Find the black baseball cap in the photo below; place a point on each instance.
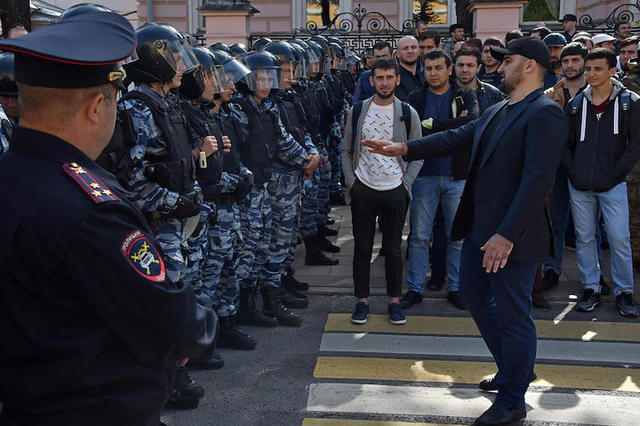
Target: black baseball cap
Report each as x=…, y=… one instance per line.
x=569, y=17
x=529, y=47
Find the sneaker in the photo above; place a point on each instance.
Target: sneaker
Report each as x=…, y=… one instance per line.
x=410, y=299
x=396, y=316
x=453, y=297
x=590, y=301
x=549, y=280
x=361, y=313
x=605, y=290
x=624, y=303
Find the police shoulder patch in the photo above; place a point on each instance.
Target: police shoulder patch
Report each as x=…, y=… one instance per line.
x=143, y=256
x=90, y=183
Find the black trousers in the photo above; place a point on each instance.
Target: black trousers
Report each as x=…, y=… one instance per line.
x=366, y=203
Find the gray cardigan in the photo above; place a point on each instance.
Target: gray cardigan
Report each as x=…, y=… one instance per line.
x=351, y=149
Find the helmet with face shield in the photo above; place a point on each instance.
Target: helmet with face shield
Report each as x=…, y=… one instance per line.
x=220, y=46
x=323, y=64
x=261, y=43
x=302, y=72
x=339, y=57
x=233, y=69
x=206, y=80
x=162, y=52
x=266, y=73
x=238, y=51
x=288, y=59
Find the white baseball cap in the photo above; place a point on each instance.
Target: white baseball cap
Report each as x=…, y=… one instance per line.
x=601, y=38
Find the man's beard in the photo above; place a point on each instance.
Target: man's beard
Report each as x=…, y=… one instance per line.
x=382, y=96
x=578, y=75
x=509, y=84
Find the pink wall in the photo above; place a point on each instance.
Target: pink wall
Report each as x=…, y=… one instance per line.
x=495, y=19
x=274, y=16
x=173, y=12
x=598, y=9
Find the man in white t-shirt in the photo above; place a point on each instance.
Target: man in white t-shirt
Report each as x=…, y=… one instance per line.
x=379, y=184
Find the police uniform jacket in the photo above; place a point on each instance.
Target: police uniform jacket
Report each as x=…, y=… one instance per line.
x=90, y=324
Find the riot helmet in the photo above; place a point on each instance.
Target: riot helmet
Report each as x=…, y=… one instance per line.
x=233, y=69
x=162, y=53
x=205, y=80
x=8, y=86
x=339, y=57
x=238, y=50
x=266, y=73
x=289, y=62
x=220, y=46
x=261, y=43
x=303, y=59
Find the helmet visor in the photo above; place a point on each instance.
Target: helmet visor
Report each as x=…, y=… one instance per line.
x=313, y=58
x=265, y=79
x=178, y=54
x=235, y=70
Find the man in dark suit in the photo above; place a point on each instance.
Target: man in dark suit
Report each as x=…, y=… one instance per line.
x=516, y=146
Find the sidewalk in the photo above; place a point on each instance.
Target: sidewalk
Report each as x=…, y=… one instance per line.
x=337, y=280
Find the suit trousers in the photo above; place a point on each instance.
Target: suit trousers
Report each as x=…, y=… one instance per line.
x=366, y=203
x=500, y=304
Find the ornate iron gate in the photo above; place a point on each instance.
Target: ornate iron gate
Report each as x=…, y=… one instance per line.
x=622, y=13
x=359, y=30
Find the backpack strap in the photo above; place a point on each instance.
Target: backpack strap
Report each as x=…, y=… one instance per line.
x=406, y=117
x=625, y=115
x=355, y=114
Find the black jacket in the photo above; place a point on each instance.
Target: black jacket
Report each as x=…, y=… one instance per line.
x=507, y=194
x=603, y=159
x=465, y=100
x=409, y=82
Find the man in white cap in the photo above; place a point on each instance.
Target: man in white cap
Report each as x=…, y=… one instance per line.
x=603, y=40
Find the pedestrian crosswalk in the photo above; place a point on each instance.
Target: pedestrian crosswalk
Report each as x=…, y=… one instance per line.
x=427, y=372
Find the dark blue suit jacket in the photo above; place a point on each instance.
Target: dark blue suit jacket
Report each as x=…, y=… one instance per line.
x=517, y=170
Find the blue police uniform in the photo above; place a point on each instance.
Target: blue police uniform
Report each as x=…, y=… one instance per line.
x=86, y=319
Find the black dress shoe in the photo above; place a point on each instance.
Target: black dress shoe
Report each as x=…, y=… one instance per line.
x=435, y=283
x=490, y=384
x=499, y=415
x=410, y=299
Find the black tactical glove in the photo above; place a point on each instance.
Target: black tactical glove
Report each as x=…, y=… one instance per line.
x=245, y=183
x=188, y=205
x=158, y=173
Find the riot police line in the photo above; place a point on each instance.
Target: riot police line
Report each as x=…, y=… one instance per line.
x=231, y=155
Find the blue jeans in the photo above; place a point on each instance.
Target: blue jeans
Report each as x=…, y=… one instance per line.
x=615, y=211
x=428, y=192
x=559, y=218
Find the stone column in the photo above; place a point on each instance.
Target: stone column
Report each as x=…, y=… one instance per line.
x=227, y=20
x=494, y=18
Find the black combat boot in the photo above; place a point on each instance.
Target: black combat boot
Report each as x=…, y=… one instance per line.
x=290, y=282
x=209, y=360
x=249, y=315
x=327, y=232
x=313, y=254
x=292, y=299
x=273, y=307
x=232, y=336
x=326, y=245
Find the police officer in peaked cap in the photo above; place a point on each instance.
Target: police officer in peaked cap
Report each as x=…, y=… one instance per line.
x=91, y=327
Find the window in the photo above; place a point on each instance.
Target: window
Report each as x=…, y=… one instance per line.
x=541, y=10
x=321, y=12
x=438, y=9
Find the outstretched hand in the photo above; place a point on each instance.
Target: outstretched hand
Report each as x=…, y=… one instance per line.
x=387, y=148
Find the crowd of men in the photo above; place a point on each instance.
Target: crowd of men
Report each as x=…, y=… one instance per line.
x=236, y=156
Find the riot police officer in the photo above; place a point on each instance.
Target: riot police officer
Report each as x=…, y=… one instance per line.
x=266, y=139
x=85, y=299
x=162, y=180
